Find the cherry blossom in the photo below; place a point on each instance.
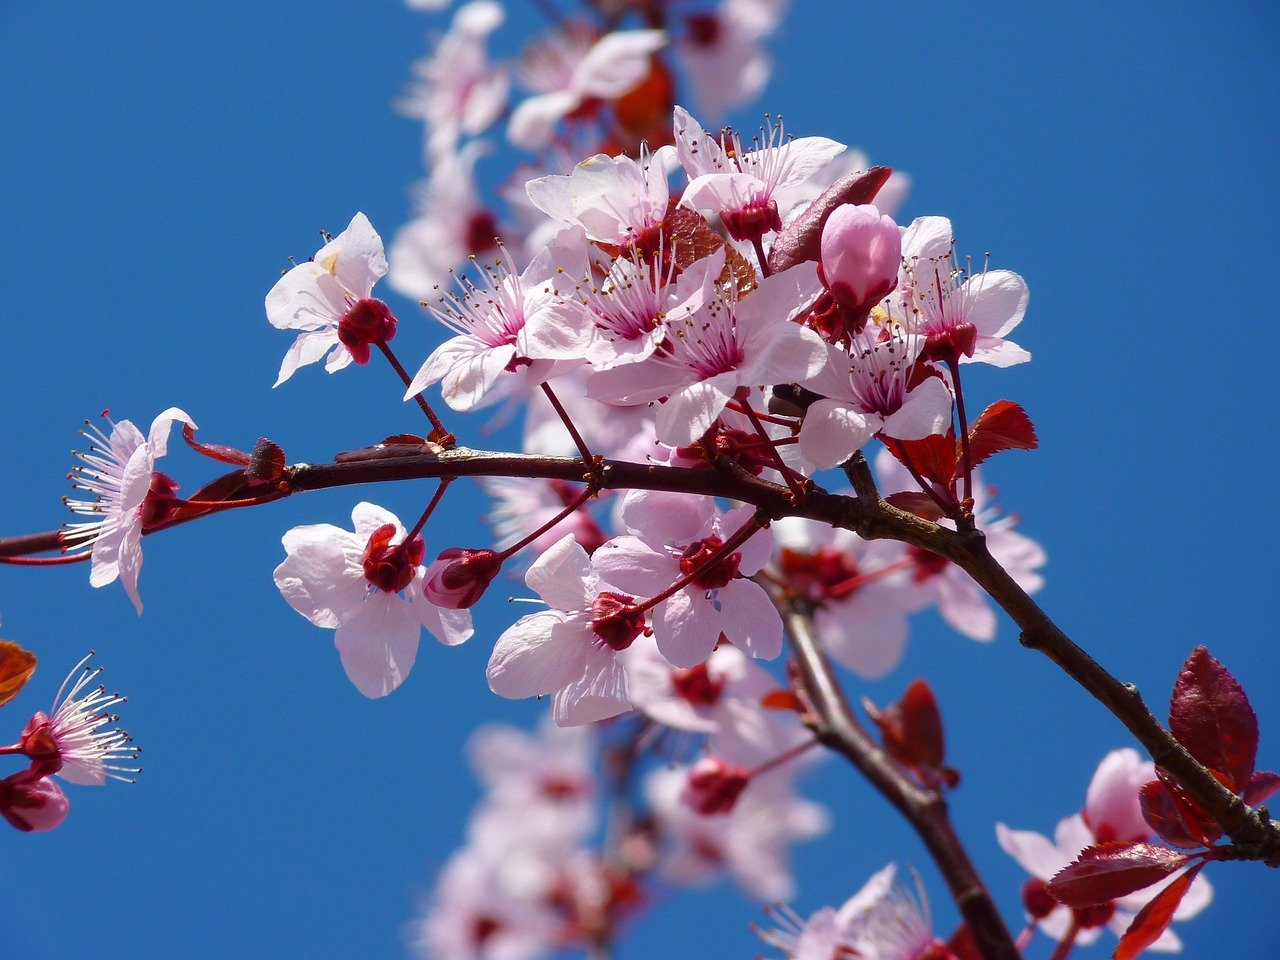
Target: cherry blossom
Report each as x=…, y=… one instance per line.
x=457, y=90
x=730, y=344
x=962, y=603
x=693, y=698
x=721, y=49
x=32, y=804
x=572, y=69
x=861, y=591
x=570, y=650
x=672, y=537
x=963, y=316
x=508, y=323
x=452, y=223
x=742, y=185
x=1111, y=812
x=316, y=296
x=367, y=588
x=750, y=842
x=616, y=200
x=129, y=497
x=71, y=742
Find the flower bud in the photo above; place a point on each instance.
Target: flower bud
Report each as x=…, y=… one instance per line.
x=389, y=568
x=1037, y=900
x=32, y=804
x=368, y=321
x=861, y=255
x=714, y=785
x=460, y=576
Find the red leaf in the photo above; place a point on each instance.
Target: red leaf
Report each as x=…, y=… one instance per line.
x=1002, y=426
x=934, y=458
x=1211, y=716
x=1260, y=786
x=1164, y=816
x=1153, y=919
x=16, y=667
x=917, y=502
x=801, y=240
x=912, y=732
x=1117, y=868
x=1199, y=823
x=214, y=451
x=689, y=238
x=781, y=700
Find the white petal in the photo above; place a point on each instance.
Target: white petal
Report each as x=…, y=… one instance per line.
x=307, y=348
x=1033, y=851
x=321, y=577
x=527, y=661
x=996, y=302
x=832, y=431
x=926, y=411
x=616, y=63
x=560, y=576
x=689, y=413
x=600, y=693
x=379, y=643
x=749, y=619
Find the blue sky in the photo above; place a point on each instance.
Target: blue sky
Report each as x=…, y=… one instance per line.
x=159, y=167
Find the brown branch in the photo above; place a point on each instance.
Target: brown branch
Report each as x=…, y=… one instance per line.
x=838, y=728
x=865, y=514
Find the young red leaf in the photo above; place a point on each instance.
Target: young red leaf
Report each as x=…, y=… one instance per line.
x=690, y=238
x=801, y=240
x=1153, y=919
x=1002, y=426
x=1164, y=816
x=1198, y=822
x=214, y=451
x=1260, y=786
x=782, y=700
x=1211, y=716
x=934, y=457
x=912, y=733
x=917, y=502
x=1117, y=868
x=16, y=667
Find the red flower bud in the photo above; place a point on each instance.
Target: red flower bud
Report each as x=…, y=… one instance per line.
x=460, y=576
x=1037, y=900
x=368, y=321
x=714, y=785
x=32, y=803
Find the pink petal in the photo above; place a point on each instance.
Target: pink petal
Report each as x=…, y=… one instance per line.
x=529, y=661
x=750, y=620
x=379, y=643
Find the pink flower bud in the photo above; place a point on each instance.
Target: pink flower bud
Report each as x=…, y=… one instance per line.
x=861, y=254
x=714, y=785
x=32, y=804
x=459, y=577
x=368, y=322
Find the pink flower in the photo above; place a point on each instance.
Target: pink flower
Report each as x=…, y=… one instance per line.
x=742, y=185
x=457, y=90
x=451, y=224
x=693, y=698
x=316, y=296
x=509, y=323
x=129, y=496
x=367, y=588
x=963, y=316
x=1111, y=813
x=71, y=742
x=32, y=805
x=872, y=387
x=617, y=200
x=727, y=345
x=572, y=649
x=521, y=505
x=721, y=49
x=673, y=536
x=962, y=603
x=572, y=68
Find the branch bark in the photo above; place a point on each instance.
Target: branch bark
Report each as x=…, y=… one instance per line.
x=837, y=727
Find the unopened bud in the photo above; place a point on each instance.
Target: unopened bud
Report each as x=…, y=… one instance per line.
x=714, y=785
x=389, y=568
x=459, y=577
x=32, y=803
x=368, y=322
x=1037, y=900
x=861, y=255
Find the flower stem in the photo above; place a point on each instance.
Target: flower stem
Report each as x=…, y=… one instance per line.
x=439, y=433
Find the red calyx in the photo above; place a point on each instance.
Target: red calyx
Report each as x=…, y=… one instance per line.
x=460, y=576
x=38, y=743
x=697, y=686
x=1037, y=900
x=716, y=575
x=925, y=564
x=482, y=233
x=1089, y=917
x=161, y=501
x=752, y=222
x=389, y=568
x=616, y=620
x=828, y=574
x=950, y=345
x=368, y=322
x=703, y=29
x=715, y=785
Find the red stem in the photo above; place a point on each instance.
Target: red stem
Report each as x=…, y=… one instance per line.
x=439, y=432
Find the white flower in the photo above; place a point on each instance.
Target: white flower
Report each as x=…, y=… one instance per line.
x=367, y=587
x=119, y=470
x=314, y=296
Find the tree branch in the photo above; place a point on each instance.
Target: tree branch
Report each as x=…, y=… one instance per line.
x=838, y=728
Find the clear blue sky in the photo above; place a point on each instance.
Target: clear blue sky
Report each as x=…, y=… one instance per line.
x=160, y=164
